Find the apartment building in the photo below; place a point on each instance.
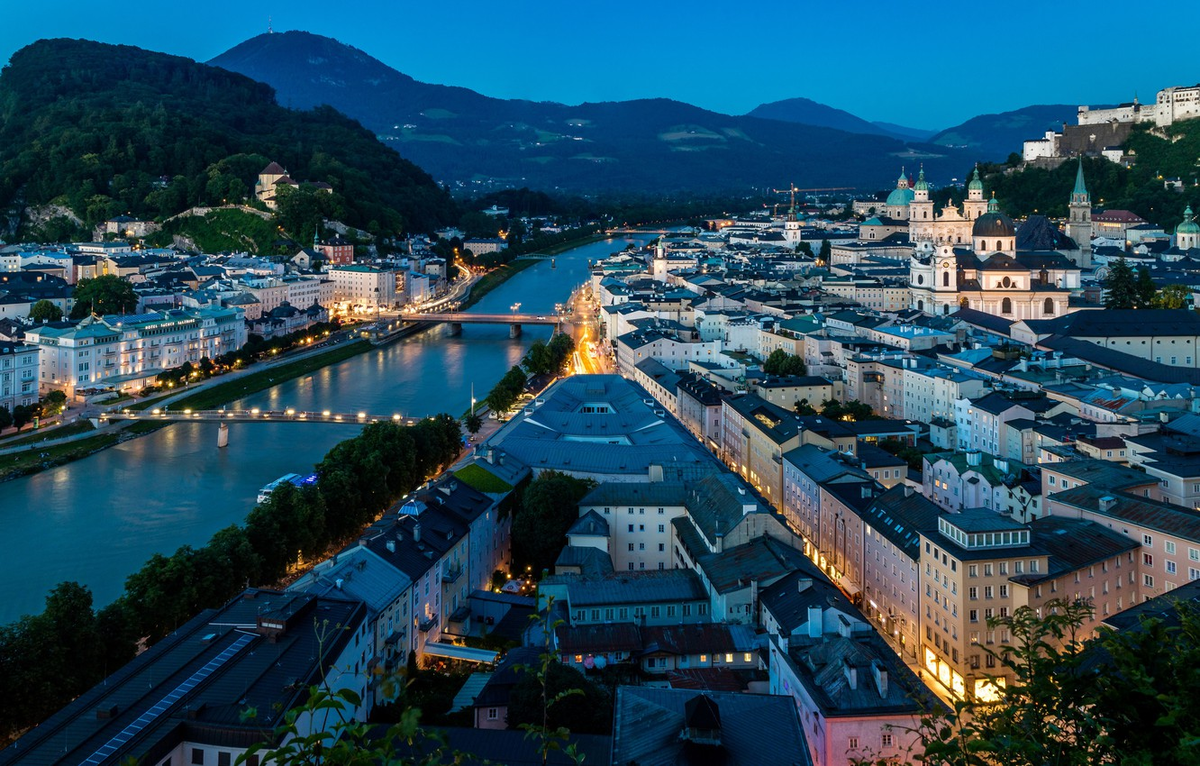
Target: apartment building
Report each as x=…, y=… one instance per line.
x=892, y=528
x=957, y=480
x=18, y=374
x=979, y=565
x=363, y=287
x=806, y=470
x=699, y=403
x=638, y=516
x=755, y=436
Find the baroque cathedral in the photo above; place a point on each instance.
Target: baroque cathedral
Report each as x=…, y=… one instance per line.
x=975, y=257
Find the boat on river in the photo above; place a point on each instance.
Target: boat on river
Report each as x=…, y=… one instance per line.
x=296, y=479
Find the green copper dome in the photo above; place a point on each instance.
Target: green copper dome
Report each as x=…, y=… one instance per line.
x=1189, y=225
x=900, y=197
x=921, y=184
x=976, y=184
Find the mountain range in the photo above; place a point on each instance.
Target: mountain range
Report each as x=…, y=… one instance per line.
x=652, y=145
x=809, y=112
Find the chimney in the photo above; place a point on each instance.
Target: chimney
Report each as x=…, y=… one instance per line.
x=908, y=490
x=338, y=583
x=491, y=455
x=881, y=678
x=391, y=546
x=815, y=626
x=1162, y=417
x=1106, y=503
x=417, y=532
x=803, y=584
x=974, y=457
x=866, y=490
x=851, y=673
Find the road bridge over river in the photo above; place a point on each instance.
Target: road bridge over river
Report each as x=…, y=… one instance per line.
x=457, y=319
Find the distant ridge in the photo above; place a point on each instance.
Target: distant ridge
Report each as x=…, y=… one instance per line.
x=995, y=136
x=473, y=141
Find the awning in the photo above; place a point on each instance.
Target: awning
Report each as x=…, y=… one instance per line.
x=848, y=586
x=466, y=653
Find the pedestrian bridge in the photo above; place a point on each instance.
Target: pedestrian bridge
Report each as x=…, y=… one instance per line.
x=256, y=416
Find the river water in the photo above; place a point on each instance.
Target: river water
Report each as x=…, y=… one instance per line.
x=98, y=519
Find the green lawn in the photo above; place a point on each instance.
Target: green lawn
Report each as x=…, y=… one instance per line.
x=224, y=393
x=25, y=463
x=482, y=479
x=29, y=437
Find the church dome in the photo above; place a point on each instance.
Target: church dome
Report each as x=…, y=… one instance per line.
x=900, y=197
x=976, y=183
x=993, y=223
x=1189, y=225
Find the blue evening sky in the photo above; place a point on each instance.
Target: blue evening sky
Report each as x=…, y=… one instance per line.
x=929, y=64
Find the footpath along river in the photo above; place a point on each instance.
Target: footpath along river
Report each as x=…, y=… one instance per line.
x=98, y=519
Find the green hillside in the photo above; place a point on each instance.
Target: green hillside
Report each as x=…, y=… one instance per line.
x=104, y=130
x=1139, y=188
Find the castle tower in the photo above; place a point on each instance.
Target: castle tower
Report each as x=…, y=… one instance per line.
x=1079, y=219
x=1187, y=234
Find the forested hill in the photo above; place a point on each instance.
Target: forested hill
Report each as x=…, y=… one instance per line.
x=1139, y=188
x=105, y=129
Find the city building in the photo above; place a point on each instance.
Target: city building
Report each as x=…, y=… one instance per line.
x=363, y=288
x=127, y=352
x=182, y=700
x=19, y=371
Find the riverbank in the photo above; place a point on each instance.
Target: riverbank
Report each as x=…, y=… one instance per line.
x=40, y=458
x=230, y=391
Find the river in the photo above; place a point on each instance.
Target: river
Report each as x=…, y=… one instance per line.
x=98, y=519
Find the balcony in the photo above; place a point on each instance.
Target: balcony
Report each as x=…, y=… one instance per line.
x=428, y=623
x=450, y=575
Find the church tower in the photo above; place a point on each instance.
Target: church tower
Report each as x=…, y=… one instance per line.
x=921, y=216
x=1187, y=233
x=1079, y=220
x=791, y=227
x=975, y=205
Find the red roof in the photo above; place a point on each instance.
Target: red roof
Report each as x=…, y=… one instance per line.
x=705, y=679
x=1118, y=216
x=274, y=169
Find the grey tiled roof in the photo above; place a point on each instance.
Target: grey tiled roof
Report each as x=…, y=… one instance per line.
x=642, y=587
x=758, y=729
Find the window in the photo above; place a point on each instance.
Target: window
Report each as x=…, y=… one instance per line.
x=747, y=657
x=1169, y=546
x=729, y=658
x=704, y=658
x=852, y=743
x=1006, y=306
x=1148, y=581
x=1003, y=591
x=972, y=570
x=886, y=740
x=197, y=755
x=662, y=528
x=974, y=615
x=224, y=759
x=1170, y=567
x=1147, y=540
x=631, y=546
x=630, y=527
x=972, y=593
x=493, y=714
x=1048, y=307
x=1148, y=559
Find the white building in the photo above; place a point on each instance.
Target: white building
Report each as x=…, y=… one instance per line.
x=126, y=352
x=364, y=287
x=18, y=375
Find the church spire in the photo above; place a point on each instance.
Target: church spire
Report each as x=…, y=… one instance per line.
x=1080, y=195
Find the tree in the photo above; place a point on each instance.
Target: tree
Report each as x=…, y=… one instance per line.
x=1120, y=290
x=106, y=294
x=45, y=311
x=1173, y=297
x=6, y=418
x=826, y=252
x=547, y=510
x=805, y=248
x=1146, y=291
x=803, y=408
x=580, y=706
x=473, y=422
x=23, y=415
x=782, y=363
x=537, y=359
